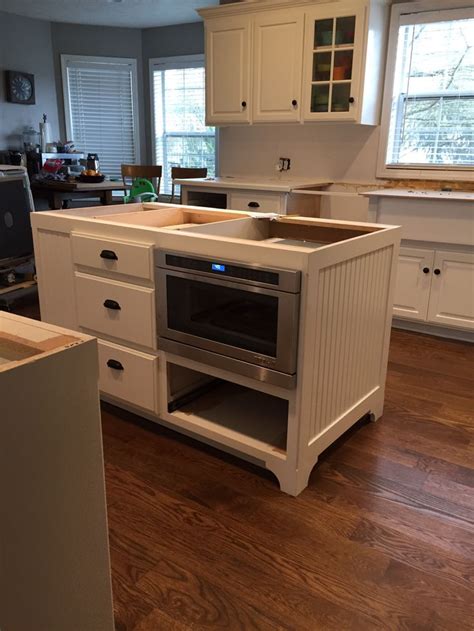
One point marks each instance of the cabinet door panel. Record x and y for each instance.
(412, 290)
(55, 278)
(452, 290)
(227, 70)
(278, 58)
(332, 73)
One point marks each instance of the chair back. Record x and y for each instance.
(179, 173)
(148, 171)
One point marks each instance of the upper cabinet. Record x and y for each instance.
(277, 56)
(228, 70)
(275, 61)
(334, 42)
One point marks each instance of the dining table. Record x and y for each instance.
(58, 194)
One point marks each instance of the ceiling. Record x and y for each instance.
(131, 13)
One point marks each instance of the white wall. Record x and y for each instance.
(25, 45)
(332, 151)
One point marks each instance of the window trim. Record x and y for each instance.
(125, 61)
(168, 63)
(428, 172)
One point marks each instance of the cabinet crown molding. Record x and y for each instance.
(251, 6)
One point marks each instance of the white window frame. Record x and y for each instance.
(168, 63)
(428, 172)
(125, 61)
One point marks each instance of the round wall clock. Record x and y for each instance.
(20, 87)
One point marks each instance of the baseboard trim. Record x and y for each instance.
(433, 329)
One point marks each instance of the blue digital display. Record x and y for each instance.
(217, 267)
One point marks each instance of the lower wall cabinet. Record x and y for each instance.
(435, 286)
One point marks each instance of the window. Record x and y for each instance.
(181, 137)
(100, 99)
(428, 116)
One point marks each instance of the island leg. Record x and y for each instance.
(292, 481)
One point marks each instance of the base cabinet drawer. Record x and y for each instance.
(256, 201)
(119, 257)
(128, 375)
(116, 309)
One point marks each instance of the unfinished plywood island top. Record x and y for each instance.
(265, 335)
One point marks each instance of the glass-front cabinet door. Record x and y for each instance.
(334, 44)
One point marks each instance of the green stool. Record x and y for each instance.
(141, 190)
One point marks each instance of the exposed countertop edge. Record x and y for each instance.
(263, 184)
(463, 196)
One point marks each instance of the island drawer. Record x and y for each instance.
(120, 257)
(116, 309)
(257, 201)
(128, 375)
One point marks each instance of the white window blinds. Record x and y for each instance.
(432, 113)
(181, 136)
(101, 109)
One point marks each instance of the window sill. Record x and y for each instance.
(454, 175)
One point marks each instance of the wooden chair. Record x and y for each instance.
(178, 173)
(149, 171)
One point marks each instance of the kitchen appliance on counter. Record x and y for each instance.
(241, 318)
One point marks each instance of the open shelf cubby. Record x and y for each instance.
(247, 419)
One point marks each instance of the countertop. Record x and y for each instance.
(463, 196)
(281, 185)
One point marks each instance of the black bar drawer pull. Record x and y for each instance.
(112, 304)
(113, 363)
(109, 255)
(254, 205)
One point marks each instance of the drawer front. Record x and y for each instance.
(256, 201)
(116, 309)
(129, 375)
(120, 257)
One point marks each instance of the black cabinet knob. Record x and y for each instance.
(108, 254)
(113, 363)
(351, 99)
(294, 102)
(437, 272)
(254, 205)
(426, 270)
(112, 304)
(244, 104)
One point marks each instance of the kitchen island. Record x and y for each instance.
(266, 336)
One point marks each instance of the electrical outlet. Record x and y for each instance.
(284, 164)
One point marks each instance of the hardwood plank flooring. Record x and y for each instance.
(383, 537)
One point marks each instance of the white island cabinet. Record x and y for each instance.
(435, 282)
(55, 570)
(314, 296)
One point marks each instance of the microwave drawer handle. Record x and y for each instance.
(112, 304)
(115, 364)
(254, 205)
(109, 255)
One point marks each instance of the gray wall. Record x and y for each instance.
(26, 45)
(167, 41)
(40, 50)
(77, 39)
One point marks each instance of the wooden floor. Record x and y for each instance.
(382, 538)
